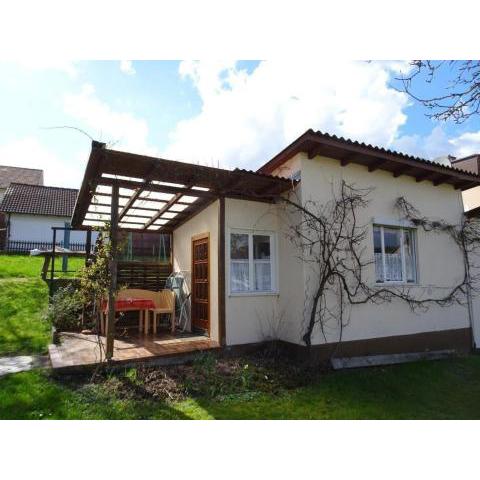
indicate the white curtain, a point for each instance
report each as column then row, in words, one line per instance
column 239, row 276
column 393, row 267
column 263, row 276
column 378, row 267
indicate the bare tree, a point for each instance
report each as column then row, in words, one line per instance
column 461, row 99
column 332, row 242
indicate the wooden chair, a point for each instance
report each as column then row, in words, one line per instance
column 164, row 303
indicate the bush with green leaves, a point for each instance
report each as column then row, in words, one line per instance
column 65, row 310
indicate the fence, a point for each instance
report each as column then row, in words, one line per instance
column 24, row 246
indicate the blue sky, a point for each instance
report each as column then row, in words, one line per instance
column 218, row 113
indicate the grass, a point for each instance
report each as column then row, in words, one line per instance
column 25, row 266
column 20, row 266
column 22, row 329
column 447, row 389
column 23, row 300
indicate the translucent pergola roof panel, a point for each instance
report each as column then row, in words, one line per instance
column 177, row 207
column 157, row 194
column 169, row 215
column 97, row 216
column 93, row 223
column 99, row 208
column 141, row 211
column 148, row 204
column 188, row 199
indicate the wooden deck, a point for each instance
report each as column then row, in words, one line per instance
column 80, row 350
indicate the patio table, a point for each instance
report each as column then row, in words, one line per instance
column 142, row 305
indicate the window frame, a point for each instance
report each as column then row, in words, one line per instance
column 251, row 262
column 402, row 229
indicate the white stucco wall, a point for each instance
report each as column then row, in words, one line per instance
column 204, row 222
column 38, row 228
column 439, row 260
column 255, row 317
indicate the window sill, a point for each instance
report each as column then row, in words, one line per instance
column 253, row 294
column 396, row 284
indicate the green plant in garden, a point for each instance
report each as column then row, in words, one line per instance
column 65, row 309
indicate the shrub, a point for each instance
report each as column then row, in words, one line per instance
column 65, row 310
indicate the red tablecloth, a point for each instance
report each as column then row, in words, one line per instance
column 129, row 304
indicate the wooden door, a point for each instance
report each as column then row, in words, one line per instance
column 200, row 284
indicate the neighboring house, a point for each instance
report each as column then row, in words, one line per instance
column 246, row 280
column 15, row 174
column 32, row 211
column 471, row 197
column 8, row 175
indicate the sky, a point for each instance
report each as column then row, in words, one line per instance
column 226, row 113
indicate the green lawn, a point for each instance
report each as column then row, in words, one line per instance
column 429, row 390
column 25, row 266
column 20, row 266
column 22, row 329
column 447, row 389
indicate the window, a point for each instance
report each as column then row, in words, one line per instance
column 251, row 262
column 394, row 250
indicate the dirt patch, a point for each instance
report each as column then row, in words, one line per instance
column 210, row 377
column 207, row 376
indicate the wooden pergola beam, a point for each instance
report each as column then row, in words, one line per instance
column 171, row 202
column 130, row 202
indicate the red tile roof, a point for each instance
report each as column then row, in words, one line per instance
column 39, row 200
column 31, row 176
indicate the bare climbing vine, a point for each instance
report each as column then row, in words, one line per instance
column 331, row 240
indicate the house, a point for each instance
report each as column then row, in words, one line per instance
column 471, row 197
column 10, row 175
column 32, row 210
column 229, row 237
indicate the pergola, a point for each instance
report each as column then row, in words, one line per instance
column 147, row 194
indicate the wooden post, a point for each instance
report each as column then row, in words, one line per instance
column 221, row 272
column 113, row 273
column 88, row 246
column 66, row 244
column 52, row 273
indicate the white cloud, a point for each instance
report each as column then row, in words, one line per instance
column 248, row 118
column 466, row 144
column 127, row 67
column 123, row 130
column 64, row 66
column 438, row 144
column 30, row 153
